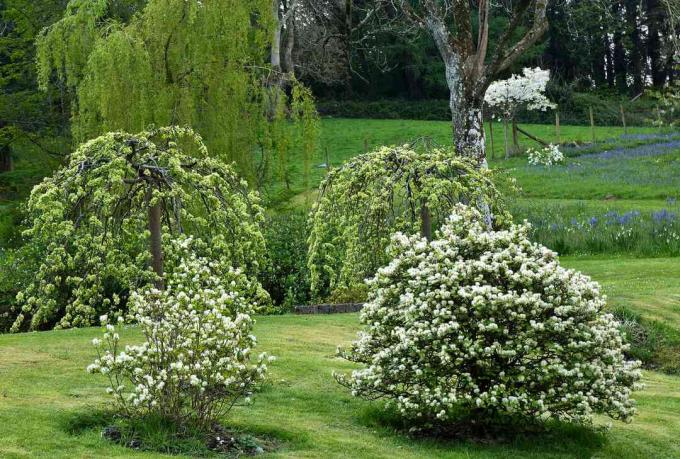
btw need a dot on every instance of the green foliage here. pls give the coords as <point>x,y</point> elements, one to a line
<point>179,62</point>
<point>375,194</point>
<point>88,222</point>
<point>286,275</point>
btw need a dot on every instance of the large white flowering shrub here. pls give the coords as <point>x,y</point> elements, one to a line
<point>487,323</point>
<point>195,360</point>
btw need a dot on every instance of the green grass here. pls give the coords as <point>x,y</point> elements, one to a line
<point>342,139</point>
<point>44,391</point>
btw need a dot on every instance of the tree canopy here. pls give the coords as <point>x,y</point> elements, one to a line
<point>89,228</point>
<point>130,64</point>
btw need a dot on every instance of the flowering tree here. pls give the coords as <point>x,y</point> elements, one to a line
<point>487,323</point>
<point>194,363</point>
<point>97,224</point>
<point>526,91</point>
<point>387,190</point>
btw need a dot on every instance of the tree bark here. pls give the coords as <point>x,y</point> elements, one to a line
<point>156,247</point>
<point>425,221</point>
<point>275,58</point>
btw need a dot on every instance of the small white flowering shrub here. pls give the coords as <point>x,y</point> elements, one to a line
<point>487,324</point>
<point>547,156</point>
<point>195,360</point>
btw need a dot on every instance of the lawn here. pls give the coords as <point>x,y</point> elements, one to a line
<point>42,378</point>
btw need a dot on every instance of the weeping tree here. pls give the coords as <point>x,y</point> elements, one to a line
<point>129,64</point>
<point>99,226</point>
<point>410,189</point>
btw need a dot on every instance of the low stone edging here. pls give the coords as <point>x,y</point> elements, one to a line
<point>329,308</point>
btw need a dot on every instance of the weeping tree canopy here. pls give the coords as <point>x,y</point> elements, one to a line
<point>91,224</point>
<point>129,64</point>
<point>391,189</point>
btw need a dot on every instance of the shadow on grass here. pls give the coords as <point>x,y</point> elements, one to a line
<point>510,438</point>
<point>157,434</point>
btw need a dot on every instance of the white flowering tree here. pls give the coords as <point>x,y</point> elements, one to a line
<point>519,92</point>
<point>405,188</point>
<point>98,226</point>
<point>486,323</point>
<point>195,361</point>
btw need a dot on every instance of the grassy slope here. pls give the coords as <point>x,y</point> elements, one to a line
<point>42,379</point>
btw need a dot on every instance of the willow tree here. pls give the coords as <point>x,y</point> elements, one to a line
<point>361,204</point>
<point>130,64</point>
<point>100,226</point>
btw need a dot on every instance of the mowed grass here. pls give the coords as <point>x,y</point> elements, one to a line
<point>44,389</point>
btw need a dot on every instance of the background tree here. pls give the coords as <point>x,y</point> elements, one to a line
<point>29,120</point>
<point>178,62</point>
<point>452,25</point>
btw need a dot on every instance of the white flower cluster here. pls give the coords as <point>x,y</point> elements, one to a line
<point>195,359</point>
<point>547,156</point>
<point>520,91</point>
<point>488,323</point>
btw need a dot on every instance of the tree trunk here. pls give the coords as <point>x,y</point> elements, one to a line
<point>288,64</point>
<point>276,38</point>
<point>636,66</point>
<point>655,18</point>
<point>466,116</point>
<point>156,246</point>
<point>425,221</point>
<point>5,158</point>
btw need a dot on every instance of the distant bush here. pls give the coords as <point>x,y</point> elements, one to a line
<point>286,275</point>
<point>487,324</point>
<point>434,110</point>
<point>573,107</point>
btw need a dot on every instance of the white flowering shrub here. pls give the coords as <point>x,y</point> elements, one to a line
<point>487,323</point>
<point>527,91</point>
<point>547,156</point>
<point>195,360</point>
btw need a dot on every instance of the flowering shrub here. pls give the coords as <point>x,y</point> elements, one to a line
<point>375,194</point>
<point>547,156</point>
<point>88,222</point>
<point>194,363</point>
<point>519,91</point>
<point>487,323</point>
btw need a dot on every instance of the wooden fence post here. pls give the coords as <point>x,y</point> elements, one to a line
<point>365,145</point>
<point>592,124</point>
<point>623,120</point>
<point>557,127</point>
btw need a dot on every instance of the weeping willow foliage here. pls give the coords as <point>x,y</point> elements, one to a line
<point>88,223</point>
<point>130,64</point>
<point>376,194</point>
